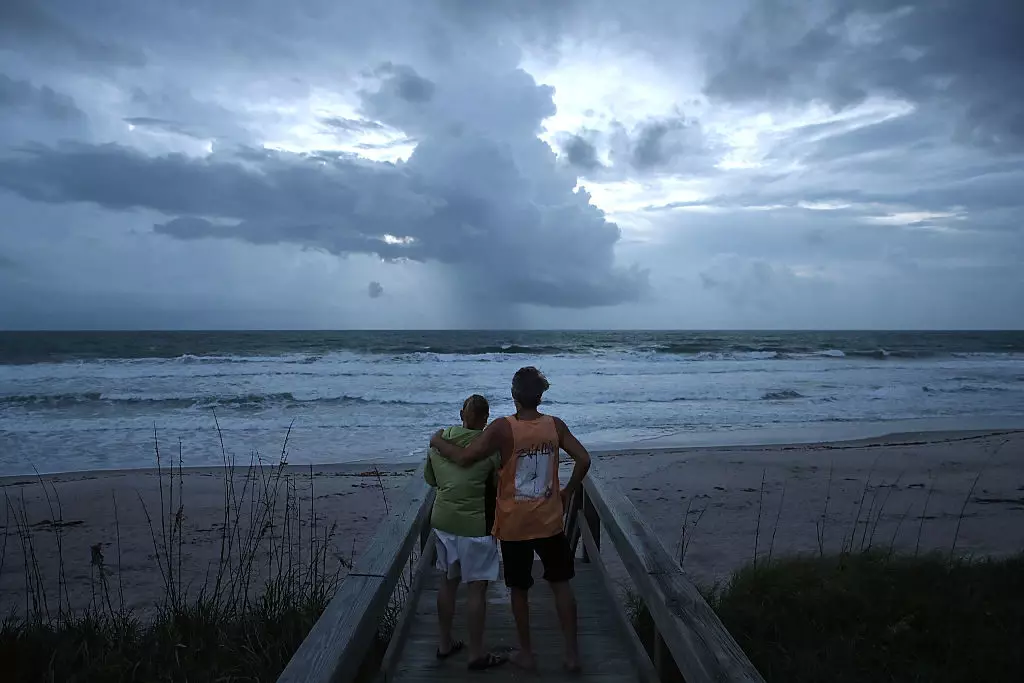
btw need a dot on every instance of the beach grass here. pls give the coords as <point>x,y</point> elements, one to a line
<point>278,566</point>
<point>870,616</point>
<point>876,616</point>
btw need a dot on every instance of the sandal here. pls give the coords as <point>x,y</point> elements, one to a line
<point>455,647</point>
<point>488,661</point>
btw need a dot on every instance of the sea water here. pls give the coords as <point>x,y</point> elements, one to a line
<point>82,400</point>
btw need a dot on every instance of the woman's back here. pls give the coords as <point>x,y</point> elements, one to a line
<point>464,505</point>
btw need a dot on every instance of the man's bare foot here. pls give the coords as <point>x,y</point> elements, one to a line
<point>523,660</point>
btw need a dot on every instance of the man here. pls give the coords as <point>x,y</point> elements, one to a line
<point>466,552</point>
<point>530,506</point>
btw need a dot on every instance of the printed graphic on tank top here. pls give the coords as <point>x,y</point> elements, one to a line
<point>534,469</point>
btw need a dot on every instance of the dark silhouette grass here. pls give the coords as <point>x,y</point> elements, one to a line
<point>871,617</point>
<point>195,644</point>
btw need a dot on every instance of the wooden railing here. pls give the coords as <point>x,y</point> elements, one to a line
<point>689,635</point>
<point>690,640</point>
<point>337,645</point>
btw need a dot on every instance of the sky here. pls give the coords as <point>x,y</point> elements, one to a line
<point>428,164</point>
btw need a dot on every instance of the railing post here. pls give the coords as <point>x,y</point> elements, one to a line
<point>666,667</point>
<point>424,532</point>
<point>593,521</point>
<point>658,656</point>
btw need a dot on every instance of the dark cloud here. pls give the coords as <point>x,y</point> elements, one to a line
<point>375,290</point>
<point>31,100</point>
<point>580,152</point>
<point>403,82</point>
<point>966,57</point>
<point>483,197</point>
<point>31,25</point>
<point>670,145</point>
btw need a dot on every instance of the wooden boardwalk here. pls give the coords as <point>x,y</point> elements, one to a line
<point>688,643</point>
<point>608,652</point>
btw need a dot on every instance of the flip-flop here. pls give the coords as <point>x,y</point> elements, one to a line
<point>488,661</point>
<point>455,647</point>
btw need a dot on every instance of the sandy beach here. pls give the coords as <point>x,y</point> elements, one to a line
<point>914,488</point>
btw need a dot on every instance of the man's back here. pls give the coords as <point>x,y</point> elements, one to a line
<point>529,503</point>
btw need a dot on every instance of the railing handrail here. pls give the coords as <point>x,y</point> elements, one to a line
<point>701,646</point>
<point>336,646</point>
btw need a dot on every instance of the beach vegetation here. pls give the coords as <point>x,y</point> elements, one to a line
<point>279,564</point>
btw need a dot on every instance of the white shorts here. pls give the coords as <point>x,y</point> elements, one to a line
<point>471,558</point>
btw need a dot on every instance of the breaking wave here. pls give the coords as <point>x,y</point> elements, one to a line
<point>57,401</point>
<point>783,395</point>
<point>314,348</point>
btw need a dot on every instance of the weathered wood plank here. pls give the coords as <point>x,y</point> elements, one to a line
<point>424,565</point>
<point>337,644</point>
<point>646,670</point>
<point>572,520</point>
<point>592,520</point>
<point>701,646</point>
<point>606,654</point>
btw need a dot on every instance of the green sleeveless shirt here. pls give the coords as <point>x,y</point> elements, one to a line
<point>464,505</point>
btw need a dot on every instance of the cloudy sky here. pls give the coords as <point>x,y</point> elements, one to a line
<point>459,163</point>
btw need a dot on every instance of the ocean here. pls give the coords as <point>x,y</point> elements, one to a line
<point>74,401</point>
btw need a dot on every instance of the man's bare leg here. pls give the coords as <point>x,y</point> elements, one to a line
<point>476,615</point>
<point>521,612</point>
<point>565,605</point>
<point>446,613</point>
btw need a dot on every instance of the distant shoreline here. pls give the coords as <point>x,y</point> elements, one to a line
<point>364,468</point>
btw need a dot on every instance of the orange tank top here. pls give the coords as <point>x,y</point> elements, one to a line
<point>529,501</point>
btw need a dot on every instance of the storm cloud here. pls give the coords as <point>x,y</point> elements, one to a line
<point>965,57</point>
<point>24,99</point>
<point>769,163</point>
<point>487,199</point>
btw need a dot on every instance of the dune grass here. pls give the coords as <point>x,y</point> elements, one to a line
<point>875,616</point>
<point>277,569</point>
<point>193,644</point>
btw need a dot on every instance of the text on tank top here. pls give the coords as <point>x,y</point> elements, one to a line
<point>529,505</point>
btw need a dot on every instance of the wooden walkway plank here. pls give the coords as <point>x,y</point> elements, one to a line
<point>606,653</point>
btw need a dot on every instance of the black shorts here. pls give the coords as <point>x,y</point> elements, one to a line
<point>554,553</point>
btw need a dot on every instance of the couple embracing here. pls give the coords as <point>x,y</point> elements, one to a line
<point>499,483</point>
